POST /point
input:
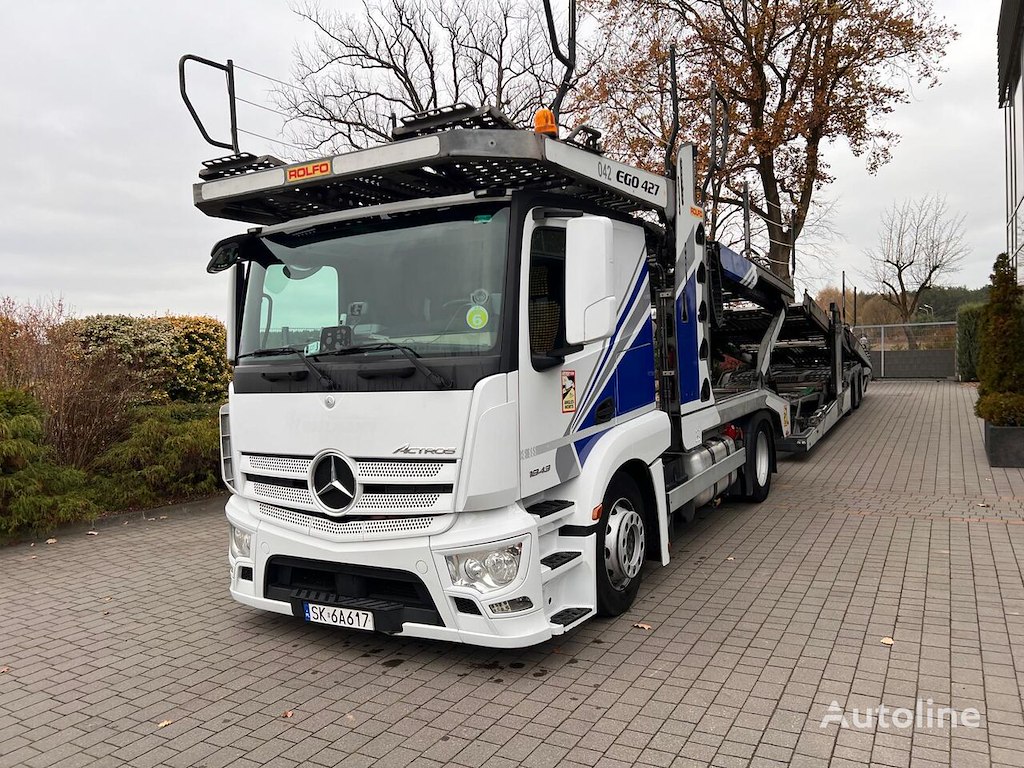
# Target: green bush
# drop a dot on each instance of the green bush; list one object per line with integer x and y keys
{"x": 968, "y": 322}
{"x": 91, "y": 413}
{"x": 139, "y": 343}
{"x": 183, "y": 356}
{"x": 201, "y": 372}
{"x": 1001, "y": 409}
{"x": 36, "y": 493}
{"x": 1001, "y": 356}
{"x": 172, "y": 453}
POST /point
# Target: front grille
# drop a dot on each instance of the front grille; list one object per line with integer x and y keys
{"x": 287, "y": 577}
{"x": 398, "y": 486}
{"x": 291, "y": 464}
{"x": 399, "y": 469}
{"x": 355, "y": 530}
{"x": 283, "y": 493}
{"x": 368, "y": 470}
{"x": 397, "y": 501}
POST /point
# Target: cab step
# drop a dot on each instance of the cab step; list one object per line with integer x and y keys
{"x": 551, "y": 506}
{"x": 567, "y": 617}
{"x": 558, "y": 563}
{"x": 558, "y": 559}
{"x": 550, "y": 514}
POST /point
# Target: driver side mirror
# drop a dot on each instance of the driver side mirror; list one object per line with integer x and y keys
{"x": 590, "y": 301}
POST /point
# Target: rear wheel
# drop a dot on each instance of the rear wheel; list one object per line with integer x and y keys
{"x": 621, "y": 546}
{"x": 858, "y": 390}
{"x": 760, "y": 457}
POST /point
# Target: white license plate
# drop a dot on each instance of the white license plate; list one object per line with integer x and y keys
{"x": 338, "y": 617}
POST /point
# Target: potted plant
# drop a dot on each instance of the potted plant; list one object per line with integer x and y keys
{"x": 1001, "y": 368}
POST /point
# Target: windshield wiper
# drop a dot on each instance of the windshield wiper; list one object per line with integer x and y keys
{"x": 325, "y": 381}
{"x": 435, "y": 378}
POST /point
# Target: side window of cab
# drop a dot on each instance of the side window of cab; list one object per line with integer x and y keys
{"x": 546, "y": 300}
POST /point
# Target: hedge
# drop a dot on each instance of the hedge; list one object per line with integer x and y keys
{"x": 184, "y": 355}
{"x": 968, "y": 327}
{"x": 1001, "y": 358}
{"x": 36, "y": 493}
{"x": 170, "y": 454}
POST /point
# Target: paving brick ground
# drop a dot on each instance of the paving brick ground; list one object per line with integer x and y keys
{"x": 895, "y": 526}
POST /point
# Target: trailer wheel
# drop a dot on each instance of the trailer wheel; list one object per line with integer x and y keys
{"x": 760, "y": 457}
{"x": 621, "y": 546}
{"x": 857, "y": 390}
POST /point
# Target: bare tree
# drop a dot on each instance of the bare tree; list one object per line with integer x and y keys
{"x": 401, "y": 57}
{"x": 920, "y": 243}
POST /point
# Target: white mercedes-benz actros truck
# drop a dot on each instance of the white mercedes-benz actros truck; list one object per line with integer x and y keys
{"x": 476, "y": 378}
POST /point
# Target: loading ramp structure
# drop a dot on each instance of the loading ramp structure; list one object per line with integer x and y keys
{"x": 817, "y": 365}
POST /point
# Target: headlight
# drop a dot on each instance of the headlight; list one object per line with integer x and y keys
{"x": 241, "y": 542}
{"x": 486, "y": 569}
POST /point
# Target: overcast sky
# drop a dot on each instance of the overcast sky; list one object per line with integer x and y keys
{"x": 100, "y": 154}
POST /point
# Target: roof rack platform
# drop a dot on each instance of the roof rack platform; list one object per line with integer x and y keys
{"x": 454, "y": 162}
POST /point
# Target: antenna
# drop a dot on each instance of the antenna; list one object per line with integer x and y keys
{"x": 746, "y": 219}
{"x": 674, "y": 86}
{"x": 229, "y": 72}
{"x": 569, "y": 60}
{"x": 844, "y": 297}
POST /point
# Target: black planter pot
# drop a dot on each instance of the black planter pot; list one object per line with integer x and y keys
{"x": 1004, "y": 446}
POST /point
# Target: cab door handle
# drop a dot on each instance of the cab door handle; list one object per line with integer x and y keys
{"x": 605, "y": 411}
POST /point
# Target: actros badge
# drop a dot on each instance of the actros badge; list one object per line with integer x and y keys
{"x": 414, "y": 451}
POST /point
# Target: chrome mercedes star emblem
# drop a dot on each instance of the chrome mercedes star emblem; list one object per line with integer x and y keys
{"x": 332, "y": 481}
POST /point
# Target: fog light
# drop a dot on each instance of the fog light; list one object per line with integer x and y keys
{"x": 515, "y": 605}
{"x": 486, "y": 570}
{"x": 241, "y": 542}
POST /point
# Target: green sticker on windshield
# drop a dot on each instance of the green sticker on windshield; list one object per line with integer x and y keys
{"x": 476, "y": 317}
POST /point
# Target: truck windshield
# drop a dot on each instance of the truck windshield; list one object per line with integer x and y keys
{"x": 429, "y": 280}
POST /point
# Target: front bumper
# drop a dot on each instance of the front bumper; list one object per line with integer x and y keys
{"x": 434, "y": 608}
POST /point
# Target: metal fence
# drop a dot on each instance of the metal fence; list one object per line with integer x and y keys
{"x": 911, "y": 351}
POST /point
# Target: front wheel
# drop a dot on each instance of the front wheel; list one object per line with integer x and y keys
{"x": 760, "y": 456}
{"x": 621, "y": 546}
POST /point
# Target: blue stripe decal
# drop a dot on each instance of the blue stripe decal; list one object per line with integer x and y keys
{"x": 634, "y": 377}
{"x": 686, "y": 343}
{"x": 586, "y": 445}
{"x": 618, "y": 328}
{"x": 631, "y": 387}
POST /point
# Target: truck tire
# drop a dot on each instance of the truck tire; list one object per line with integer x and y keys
{"x": 857, "y": 390}
{"x": 621, "y": 546}
{"x": 760, "y": 459}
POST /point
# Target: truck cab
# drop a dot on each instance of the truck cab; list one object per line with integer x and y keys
{"x": 474, "y": 379}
